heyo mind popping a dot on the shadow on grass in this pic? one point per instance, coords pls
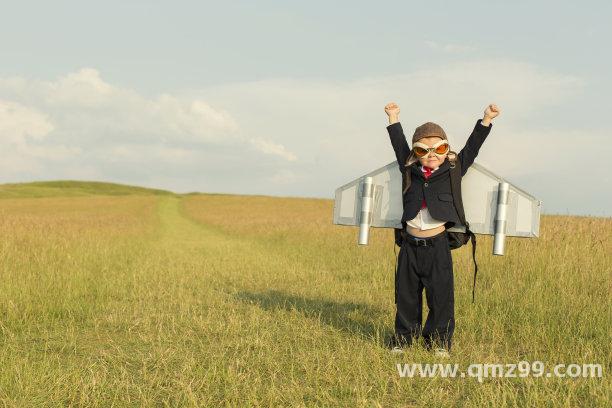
(354, 318)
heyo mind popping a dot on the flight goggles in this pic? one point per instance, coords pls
(439, 149)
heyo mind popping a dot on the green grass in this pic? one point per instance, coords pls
(220, 300)
(70, 188)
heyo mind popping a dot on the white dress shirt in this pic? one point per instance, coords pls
(423, 219)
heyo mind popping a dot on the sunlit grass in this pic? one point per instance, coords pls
(220, 300)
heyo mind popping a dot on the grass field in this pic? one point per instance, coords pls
(120, 296)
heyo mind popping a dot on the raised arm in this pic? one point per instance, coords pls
(479, 134)
(396, 134)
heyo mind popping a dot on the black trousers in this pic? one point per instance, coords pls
(431, 268)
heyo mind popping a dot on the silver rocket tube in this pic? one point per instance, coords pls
(499, 239)
(367, 197)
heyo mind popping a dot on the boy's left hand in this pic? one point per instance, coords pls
(491, 111)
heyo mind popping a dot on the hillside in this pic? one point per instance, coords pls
(68, 188)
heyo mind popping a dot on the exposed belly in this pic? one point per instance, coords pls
(424, 233)
(424, 225)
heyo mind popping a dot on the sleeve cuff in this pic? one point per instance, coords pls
(396, 124)
(479, 124)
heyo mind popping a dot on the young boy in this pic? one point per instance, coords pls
(424, 259)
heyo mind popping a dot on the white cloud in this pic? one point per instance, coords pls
(204, 140)
(267, 146)
(538, 148)
(21, 130)
(342, 124)
(83, 120)
(82, 88)
(83, 105)
(19, 123)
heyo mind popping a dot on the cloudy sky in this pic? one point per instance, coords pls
(286, 98)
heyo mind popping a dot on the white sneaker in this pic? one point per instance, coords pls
(395, 344)
(441, 352)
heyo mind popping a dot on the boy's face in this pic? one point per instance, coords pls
(430, 159)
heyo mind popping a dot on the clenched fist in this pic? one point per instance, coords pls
(392, 109)
(491, 111)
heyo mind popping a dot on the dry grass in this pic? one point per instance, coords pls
(214, 300)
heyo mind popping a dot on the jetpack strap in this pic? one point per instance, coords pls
(455, 175)
(473, 239)
(458, 201)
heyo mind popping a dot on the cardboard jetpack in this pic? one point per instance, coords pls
(492, 205)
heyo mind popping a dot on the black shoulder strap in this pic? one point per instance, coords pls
(455, 174)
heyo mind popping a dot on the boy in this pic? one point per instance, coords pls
(424, 260)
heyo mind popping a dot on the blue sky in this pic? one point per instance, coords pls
(286, 98)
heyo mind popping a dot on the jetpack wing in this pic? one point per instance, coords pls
(492, 205)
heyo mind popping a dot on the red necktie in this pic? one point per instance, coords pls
(426, 172)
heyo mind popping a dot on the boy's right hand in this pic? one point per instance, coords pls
(391, 109)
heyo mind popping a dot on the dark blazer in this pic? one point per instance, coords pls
(437, 189)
